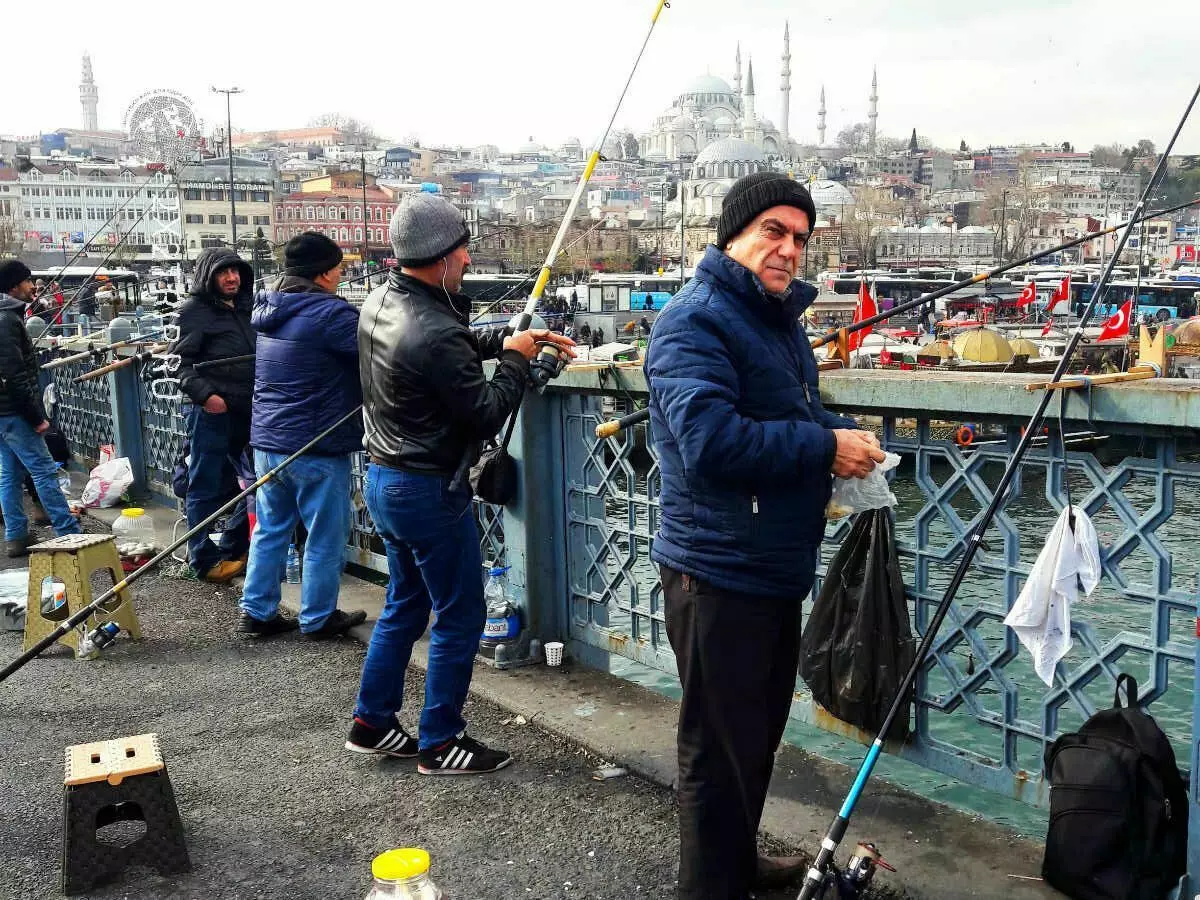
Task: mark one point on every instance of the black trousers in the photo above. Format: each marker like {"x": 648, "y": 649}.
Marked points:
{"x": 737, "y": 656}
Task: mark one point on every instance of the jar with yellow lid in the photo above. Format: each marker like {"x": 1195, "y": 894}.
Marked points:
{"x": 403, "y": 874}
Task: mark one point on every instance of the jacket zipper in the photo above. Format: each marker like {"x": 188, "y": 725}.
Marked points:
{"x": 754, "y": 504}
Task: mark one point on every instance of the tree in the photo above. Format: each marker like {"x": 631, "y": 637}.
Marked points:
{"x": 629, "y": 146}
{"x": 1067, "y": 148}
{"x": 10, "y": 238}
{"x": 854, "y": 138}
{"x": 962, "y": 146}
{"x": 1111, "y": 155}
{"x": 352, "y": 130}
{"x": 1145, "y": 147}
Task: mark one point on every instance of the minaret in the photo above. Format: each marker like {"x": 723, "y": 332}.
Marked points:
{"x": 873, "y": 114}
{"x": 749, "y": 120}
{"x": 786, "y": 85}
{"x": 737, "y": 74}
{"x": 821, "y": 120}
{"x": 88, "y": 96}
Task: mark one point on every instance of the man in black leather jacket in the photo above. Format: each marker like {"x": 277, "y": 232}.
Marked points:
{"x": 23, "y": 420}
{"x": 214, "y": 324}
{"x": 427, "y": 406}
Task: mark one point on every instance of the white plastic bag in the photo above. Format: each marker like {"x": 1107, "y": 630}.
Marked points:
{"x": 107, "y": 483}
{"x": 852, "y": 495}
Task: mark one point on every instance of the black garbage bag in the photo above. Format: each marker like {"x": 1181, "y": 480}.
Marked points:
{"x": 858, "y": 643}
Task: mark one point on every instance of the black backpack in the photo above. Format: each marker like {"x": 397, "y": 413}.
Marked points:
{"x": 1118, "y": 807}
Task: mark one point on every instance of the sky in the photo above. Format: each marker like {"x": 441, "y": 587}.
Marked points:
{"x": 481, "y": 71}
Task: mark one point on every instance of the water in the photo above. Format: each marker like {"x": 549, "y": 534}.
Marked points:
{"x": 1115, "y": 630}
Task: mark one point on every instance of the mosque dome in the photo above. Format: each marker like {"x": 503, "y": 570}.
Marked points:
{"x": 830, "y": 193}
{"x": 724, "y": 122}
{"x": 682, "y": 123}
{"x": 730, "y": 150}
{"x": 708, "y": 84}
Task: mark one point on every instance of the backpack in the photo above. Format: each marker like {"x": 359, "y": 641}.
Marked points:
{"x": 1118, "y": 807}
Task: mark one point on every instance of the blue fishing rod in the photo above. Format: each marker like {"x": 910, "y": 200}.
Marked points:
{"x": 819, "y": 875}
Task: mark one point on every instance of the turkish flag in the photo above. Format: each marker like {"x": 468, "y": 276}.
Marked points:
{"x": 1117, "y": 325}
{"x": 1062, "y": 294}
{"x": 1028, "y": 294}
{"x": 1048, "y": 326}
{"x": 865, "y": 309}
{"x": 885, "y": 357}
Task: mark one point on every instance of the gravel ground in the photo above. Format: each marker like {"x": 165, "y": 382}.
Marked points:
{"x": 272, "y": 805}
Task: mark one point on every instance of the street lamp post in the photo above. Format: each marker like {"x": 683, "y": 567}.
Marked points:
{"x": 363, "y": 172}
{"x": 229, "y": 149}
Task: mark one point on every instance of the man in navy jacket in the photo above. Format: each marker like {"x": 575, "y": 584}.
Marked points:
{"x": 305, "y": 380}
{"x": 747, "y": 454}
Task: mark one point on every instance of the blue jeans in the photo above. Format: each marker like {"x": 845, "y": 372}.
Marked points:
{"x": 433, "y": 558}
{"x": 314, "y": 490}
{"x": 217, "y": 441}
{"x": 21, "y": 446}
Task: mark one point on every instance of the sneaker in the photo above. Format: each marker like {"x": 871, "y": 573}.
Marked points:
{"x": 225, "y": 571}
{"x": 18, "y": 546}
{"x": 337, "y": 624}
{"x": 461, "y": 756}
{"x": 252, "y": 627}
{"x": 394, "y": 741}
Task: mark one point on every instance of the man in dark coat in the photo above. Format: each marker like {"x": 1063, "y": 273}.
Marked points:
{"x": 427, "y": 407}
{"x": 747, "y": 454}
{"x": 306, "y": 379}
{"x": 214, "y": 324}
{"x": 23, "y": 419}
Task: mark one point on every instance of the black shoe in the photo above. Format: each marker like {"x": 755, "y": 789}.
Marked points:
{"x": 252, "y": 627}
{"x": 778, "y": 871}
{"x": 38, "y": 516}
{"x": 337, "y": 624}
{"x": 461, "y": 756}
{"x": 18, "y": 546}
{"x": 394, "y": 741}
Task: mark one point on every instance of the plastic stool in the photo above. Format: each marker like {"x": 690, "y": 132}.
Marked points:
{"x": 72, "y": 559}
{"x": 115, "y": 781}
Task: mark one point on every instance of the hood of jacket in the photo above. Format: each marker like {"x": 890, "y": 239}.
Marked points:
{"x": 290, "y": 296}
{"x": 735, "y": 279}
{"x": 8, "y": 301}
{"x": 212, "y": 261}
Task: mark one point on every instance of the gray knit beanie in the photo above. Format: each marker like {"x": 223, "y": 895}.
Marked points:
{"x": 426, "y": 227}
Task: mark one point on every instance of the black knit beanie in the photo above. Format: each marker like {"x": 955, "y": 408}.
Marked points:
{"x": 12, "y": 273}
{"x": 309, "y": 254}
{"x": 752, "y": 194}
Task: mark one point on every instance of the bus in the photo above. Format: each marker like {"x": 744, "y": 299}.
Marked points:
{"x": 1158, "y": 301}
{"x": 630, "y": 291}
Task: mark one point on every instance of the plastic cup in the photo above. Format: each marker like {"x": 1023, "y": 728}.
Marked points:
{"x": 554, "y": 653}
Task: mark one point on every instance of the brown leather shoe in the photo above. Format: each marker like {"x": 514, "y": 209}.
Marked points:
{"x": 779, "y": 871}
{"x": 225, "y": 571}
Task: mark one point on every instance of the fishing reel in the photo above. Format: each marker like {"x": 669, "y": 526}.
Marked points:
{"x": 851, "y": 883}
{"x": 100, "y": 638}
{"x": 548, "y": 364}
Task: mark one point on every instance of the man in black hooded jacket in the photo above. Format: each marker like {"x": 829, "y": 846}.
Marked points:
{"x": 214, "y": 324}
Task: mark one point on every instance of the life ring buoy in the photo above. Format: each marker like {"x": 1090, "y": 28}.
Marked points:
{"x": 965, "y": 436}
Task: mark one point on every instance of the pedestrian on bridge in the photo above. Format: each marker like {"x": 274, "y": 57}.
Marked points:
{"x": 306, "y": 379}
{"x": 747, "y": 454}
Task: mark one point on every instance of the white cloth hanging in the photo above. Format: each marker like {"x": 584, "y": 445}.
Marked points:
{"x": 1041, "y": 617}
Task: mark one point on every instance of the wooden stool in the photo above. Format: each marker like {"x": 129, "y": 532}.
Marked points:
{"x": 117, "y": 781}
{"x": 72, "y": 559}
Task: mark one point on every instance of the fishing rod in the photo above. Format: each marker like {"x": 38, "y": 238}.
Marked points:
{"x": 141, "y": 356}
{"x": 96, "y": 605}
{"x": 96, "y": 352}
{"x": 608, "y": 429}
{"x": 816, "y": 877}
{"x": 549, "y": 361}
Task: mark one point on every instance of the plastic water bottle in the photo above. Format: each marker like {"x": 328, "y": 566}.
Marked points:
{"x": 293, "y": 565}
{"x": 503, "y": 622}
{"x": 64, "y": 479}
{"x": 403, "y": 875}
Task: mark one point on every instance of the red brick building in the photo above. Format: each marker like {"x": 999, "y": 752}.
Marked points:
{"x": 338, "y": 214}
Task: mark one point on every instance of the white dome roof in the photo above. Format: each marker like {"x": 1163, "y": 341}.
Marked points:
{"x": 729, "y": 150}
{"x": 708, "y": 84}
{"x": 724, "y": 122}
{"x": 682, "y": 122}
{"x": 830, "y": 193}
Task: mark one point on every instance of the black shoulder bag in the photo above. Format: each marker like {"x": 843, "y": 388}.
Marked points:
{"x": 493, "y": 478}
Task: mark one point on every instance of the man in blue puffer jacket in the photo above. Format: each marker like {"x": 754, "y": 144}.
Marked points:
{"x": 305, "y": 379}
{"x": 747, "y": 454}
